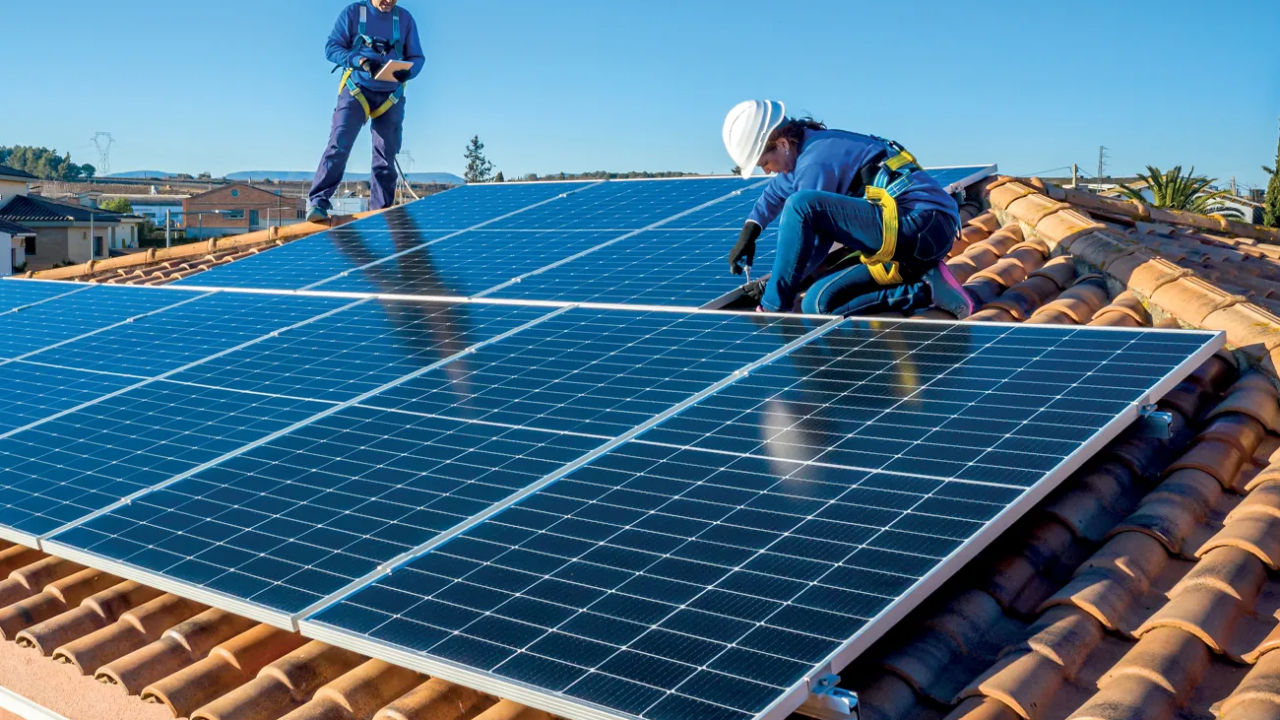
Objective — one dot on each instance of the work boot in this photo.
(317, 214)
(948, 294)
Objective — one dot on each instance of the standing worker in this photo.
(864, 192)
(367, 36)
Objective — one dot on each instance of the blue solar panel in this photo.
(954, 179)
(65, 468)
(595, 372)
(311, 260)
(339, 357)
(291, 521)
(20, 293)
(38, 391)
(622, 205)
(78, 314)
(672, 580)
(470, 205)
(468, 263)
(186, 333)
(687, 268)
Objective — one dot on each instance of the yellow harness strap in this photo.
(356, 93)
(881, 265)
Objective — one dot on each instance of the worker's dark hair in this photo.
(793, 130)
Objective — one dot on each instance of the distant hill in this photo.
(142, 174)
(299, 176)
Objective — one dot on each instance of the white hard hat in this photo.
(747, 129)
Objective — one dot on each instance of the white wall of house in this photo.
(17, 252)
(11, 188)
(6, 258)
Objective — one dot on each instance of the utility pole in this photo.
(1102, 162)
(1075, 176)
(168, 228)
(1233, 186)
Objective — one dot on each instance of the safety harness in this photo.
(892, 178)
(365, 41)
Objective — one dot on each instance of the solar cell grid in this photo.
(598, 372)
(39, 391)
(186, 333)
(298, 518)
(658, 267)
(311, 260)
(999, 405)
(81, 462)
(344, 355)
(468, 263)
(467, 206)
(622, 205)
(77, 314)
(706, 568)
(20, 293)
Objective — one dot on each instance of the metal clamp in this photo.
(829, 701)
(1154, 422)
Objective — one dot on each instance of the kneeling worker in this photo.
(367, 36)
(864, 192)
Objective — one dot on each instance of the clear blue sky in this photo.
(575, 85)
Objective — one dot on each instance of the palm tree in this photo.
(1176, 191)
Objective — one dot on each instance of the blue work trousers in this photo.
(813, 221)
(388, 133)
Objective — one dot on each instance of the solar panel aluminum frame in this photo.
(968, 180)
(793, 699)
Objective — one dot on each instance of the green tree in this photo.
(119, 205)
(1176, 191)
(1271, 210)
(479, 169)
(44, 163)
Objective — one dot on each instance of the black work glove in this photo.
(744, 253)
(370, 66)
(402, 76)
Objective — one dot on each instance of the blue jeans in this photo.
(813, 221)
(388, 133)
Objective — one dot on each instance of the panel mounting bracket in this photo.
(829, 701)
(1154, 422)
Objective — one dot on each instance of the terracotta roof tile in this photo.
(1258, 695)
(1175, 512)
(134, 630)
(57, 597)
(95, 613)
(282, 686)
(228, 666)
(435, 700)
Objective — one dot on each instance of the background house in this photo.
(68, 232)
(154, 207)
(14, 183)
(16, 239)
(239, 208)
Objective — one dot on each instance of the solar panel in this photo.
(955, 179)
(76, 314)
(77, 463)
(342, 356)
(596, 372)
(185, 333)
(767, 534)
(377, 238)
(673, 268)
(312, 260)
(622, 205)
(360, 485)
(15, 294)
(468, 263)
(38, 391)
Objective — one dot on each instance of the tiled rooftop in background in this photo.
(1143, 588)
